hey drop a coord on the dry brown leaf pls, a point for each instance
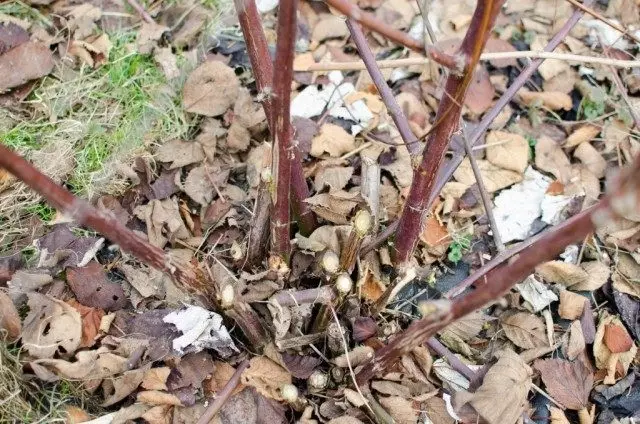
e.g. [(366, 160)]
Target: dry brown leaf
[(602, 353), (120, 387), (148, 36), (335, 206), (591, 159), (571, 305), (91, 318), (211, 89), (156, 378), (333, 140), (158, 415), (156, 397), (266, 376), (551, 158), (495, 45), (525, 330), (222, 372), (597, 275), (51, 327), (180, 153), (554, 100), (576, 343), (509, 380), (494, 178), (563, 273), (329, 26), (201, 183), (89, 365), (163, 220), (583, 134), (615, 133), (400, 409), (557, 416), (625, 285), (507, 150), (401, 168), (435, 234), (75, 415), (480, 93), (92, 288), (238, 137), (335, 177), (468, 326), (436, 409), (25, 62), (567, 382), (9, 319), (345, 420)]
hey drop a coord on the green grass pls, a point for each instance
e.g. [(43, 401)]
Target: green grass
[(459, 247), (45, 212), (591, 109)]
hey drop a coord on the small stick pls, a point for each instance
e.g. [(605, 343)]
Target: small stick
[(484, 194), (369, 20), (362, 223), (143, 13), (360, 65), (370, 187), (323, 295), (453, 360), (599, 17), (622, 89), (224, 394), (259, 230), (409, 138)]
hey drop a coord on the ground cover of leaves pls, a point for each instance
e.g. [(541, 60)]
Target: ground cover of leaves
[(91, 335)]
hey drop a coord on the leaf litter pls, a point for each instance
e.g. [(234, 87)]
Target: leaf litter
[(150, 351)]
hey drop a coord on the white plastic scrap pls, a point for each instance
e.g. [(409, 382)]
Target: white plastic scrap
[(312, 102), (201, 329), (265, 6), (518, 207), (552, 207), (536, 293)]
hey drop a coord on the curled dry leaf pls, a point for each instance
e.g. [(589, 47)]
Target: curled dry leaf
[(88, 365), (122, 386), (591, 159), (333, 140), (525, 330), (156, 378), (603, 354), (567, 382), (597, 275), (583, 134), (494, 178), (536, 293), (509, 380), (211, 89), (564, 273), (23, 63), (51, 327), (329, 26), (91, 319), (9, 319), (571, 305), (400, 409), (156, 397), (551, 158), (554, 100), (507, 150), (180, 153), (266, 376)]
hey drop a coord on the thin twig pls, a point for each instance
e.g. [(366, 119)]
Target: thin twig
[(409, 138), (525, 54), (623, 91), (369, 21), (223, 394), (453, 360), (585, 8), (445, 173), (484, 194), (141, 11), (504, 274)]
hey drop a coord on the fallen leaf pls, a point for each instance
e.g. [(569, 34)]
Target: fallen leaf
[(266, 377), (92, 288), (161, 414), (118, 388), (76, 415), (602, 353), (553, 100), (168, 62), (597, 275), (495, 45), (180, 153), (51, 327), (479, 97), (10, 324), (436, 410), (238, 137), (507, 150), (509, 380), (536, 293), (300, 366), (576, 344), (201, 329), (91, 319), (210, 89), (148, 36), (525, 330), (551, 158), (567, 382), (591, 159), (435, 234), (563, 273), (335, 177), (333, 140), (400, 409), (201, 182), (494, 178), (28, 61), (191, 371), (583, 134), (329, 26), (163, 220), (556, 416), (571, 305), (82, 20), (629, 311), (155, 378), (88, 365), (222, 372), (142, 281), (335, 206), (156, 397), (250, 407)]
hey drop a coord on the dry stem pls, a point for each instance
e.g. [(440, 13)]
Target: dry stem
[(224, 394), (447, 119)]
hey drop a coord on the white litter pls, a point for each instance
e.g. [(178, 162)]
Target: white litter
[(536, 293)]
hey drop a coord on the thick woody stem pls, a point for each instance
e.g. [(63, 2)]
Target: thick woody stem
[(262, 65), (323, 295), (497, 277), (190, 278), (259, 231), (369, 21), (410, 140), (445, 173), (223, 394), (281, 119), (447, 119)]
